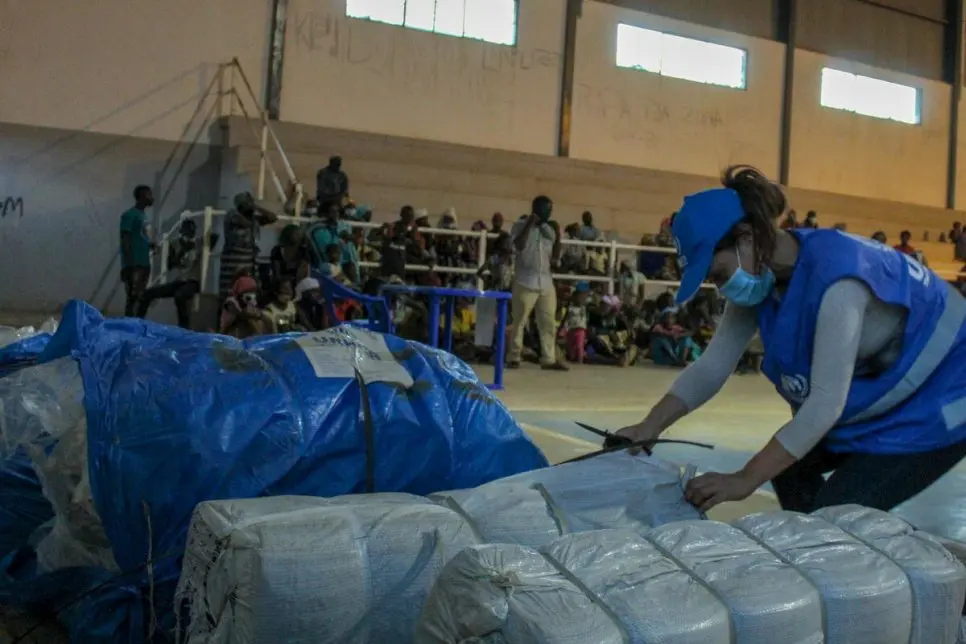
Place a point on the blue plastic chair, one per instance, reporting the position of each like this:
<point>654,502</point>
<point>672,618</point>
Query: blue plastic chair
<point>378,315</point>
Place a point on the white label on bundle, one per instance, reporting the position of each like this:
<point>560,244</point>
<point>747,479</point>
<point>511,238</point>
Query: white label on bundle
<point>337,353</point>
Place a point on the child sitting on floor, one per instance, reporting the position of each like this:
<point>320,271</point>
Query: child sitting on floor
<point>281,310</point>
<point>311,310</point>
<point>609,335</point>
<point>332,267</point>
<point>240,316</point>
<point>671,343</point>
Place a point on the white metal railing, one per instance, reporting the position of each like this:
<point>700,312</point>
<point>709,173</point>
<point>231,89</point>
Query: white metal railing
<point>208,216</point>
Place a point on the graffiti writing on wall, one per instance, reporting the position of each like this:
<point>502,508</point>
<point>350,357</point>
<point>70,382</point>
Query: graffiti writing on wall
<point>11,206</point>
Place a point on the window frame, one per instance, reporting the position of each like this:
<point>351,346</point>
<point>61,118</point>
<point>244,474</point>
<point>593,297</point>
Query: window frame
<point>744,57</point>
<point>403,25</point>
<point>853,110</point>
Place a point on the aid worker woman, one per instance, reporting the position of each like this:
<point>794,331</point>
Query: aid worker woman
<point>866,345</point>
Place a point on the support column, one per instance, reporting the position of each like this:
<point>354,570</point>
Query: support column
<point>788,34</point>
<point>276,59</point>
<point>954,62</point>
<point>567,77</point>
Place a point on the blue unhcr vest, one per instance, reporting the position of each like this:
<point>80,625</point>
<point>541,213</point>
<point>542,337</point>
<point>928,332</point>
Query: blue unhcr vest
<point>918,403</point>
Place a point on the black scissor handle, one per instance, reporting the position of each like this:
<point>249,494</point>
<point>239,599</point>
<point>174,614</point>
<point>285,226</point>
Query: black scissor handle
<point>645,445</point>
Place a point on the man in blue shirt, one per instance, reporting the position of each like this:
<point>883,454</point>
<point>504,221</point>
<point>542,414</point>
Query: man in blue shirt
<point>136,245</point>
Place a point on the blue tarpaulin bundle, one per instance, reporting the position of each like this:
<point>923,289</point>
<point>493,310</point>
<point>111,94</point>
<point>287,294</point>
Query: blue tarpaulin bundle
<point>175,418</point>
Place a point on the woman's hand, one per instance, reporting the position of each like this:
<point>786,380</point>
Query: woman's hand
<point>708,490</point>
<point>646,430</point>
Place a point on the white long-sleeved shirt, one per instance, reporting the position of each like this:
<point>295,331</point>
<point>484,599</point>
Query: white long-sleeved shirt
<point>855,333</point>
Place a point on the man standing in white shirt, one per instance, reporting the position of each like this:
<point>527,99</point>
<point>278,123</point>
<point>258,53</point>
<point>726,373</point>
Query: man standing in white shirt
<point>536,240</point>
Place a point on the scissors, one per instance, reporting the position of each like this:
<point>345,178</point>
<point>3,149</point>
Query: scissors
<point>615,443</point>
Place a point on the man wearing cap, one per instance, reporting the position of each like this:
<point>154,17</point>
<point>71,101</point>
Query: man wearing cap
<point>536,239</point>
<point>866,345</point>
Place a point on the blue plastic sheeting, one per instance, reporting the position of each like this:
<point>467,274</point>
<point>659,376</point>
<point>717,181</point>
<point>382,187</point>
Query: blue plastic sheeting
<point>175,418</point>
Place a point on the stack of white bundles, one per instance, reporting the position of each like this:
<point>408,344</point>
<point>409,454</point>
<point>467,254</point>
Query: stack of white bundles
<point>866,596</point>
<point>938,579</point>
<point>770,600</point>
<point>613,490</point>
<point>602,587</point>
<point>310,570</point>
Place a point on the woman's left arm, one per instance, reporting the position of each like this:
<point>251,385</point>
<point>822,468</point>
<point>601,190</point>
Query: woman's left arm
<point>835,348</point>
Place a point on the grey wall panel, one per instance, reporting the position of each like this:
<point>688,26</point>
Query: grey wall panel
<point>872,35</point>
<point>749,17</point>
<point>74,186</point>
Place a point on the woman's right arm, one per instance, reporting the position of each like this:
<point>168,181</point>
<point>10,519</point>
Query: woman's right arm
<point>702,379</point>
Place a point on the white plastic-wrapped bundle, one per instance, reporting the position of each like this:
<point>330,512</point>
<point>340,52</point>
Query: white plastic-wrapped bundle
<point>609,586</point>
<point>770,600</point>
<point>353,569</point>
<point>653,597</point>
<point>613,490</point>
<point>42,412</point>
<point>938,579</point>
<point>867,597</point>
<point>511,594</point>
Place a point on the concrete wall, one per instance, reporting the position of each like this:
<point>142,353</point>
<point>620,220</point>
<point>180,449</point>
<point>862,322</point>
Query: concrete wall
<point>387,172</point>
<point>852,154</point>
<point>374,77</point>
<point>95,98</point>
<point>120,67</point>
<point>96,94</point>
<point>74,187</point>
<point>646,120</point>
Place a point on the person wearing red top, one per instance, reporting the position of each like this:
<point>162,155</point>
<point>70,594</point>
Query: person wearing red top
<point>903,245</point>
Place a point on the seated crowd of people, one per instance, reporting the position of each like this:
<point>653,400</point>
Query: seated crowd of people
<point>285,293</point>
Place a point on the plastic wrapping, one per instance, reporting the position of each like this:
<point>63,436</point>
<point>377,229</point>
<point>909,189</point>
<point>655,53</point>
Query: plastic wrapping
<point>42,416</point>
<point>174,418</point>
<point>938,579</point>
<point>653,597</point>
<point>511,594</point>
<point>770,600</point>
<point>314,571</point>
<point>23,506</point>
<point>600,586</point>
<point>614,490</point>
<point>867,597</point>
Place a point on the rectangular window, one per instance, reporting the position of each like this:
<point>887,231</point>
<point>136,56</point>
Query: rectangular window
<point>678,57</point>
<point>488,20</point>
<point>870,96</point>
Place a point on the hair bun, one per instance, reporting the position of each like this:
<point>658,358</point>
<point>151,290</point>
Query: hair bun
<point>759,195</point>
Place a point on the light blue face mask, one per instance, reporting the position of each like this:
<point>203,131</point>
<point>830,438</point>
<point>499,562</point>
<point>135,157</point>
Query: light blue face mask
<point>745,289</point>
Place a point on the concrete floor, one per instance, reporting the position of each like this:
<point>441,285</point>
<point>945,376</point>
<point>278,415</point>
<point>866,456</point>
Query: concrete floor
<point>738,421</point>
